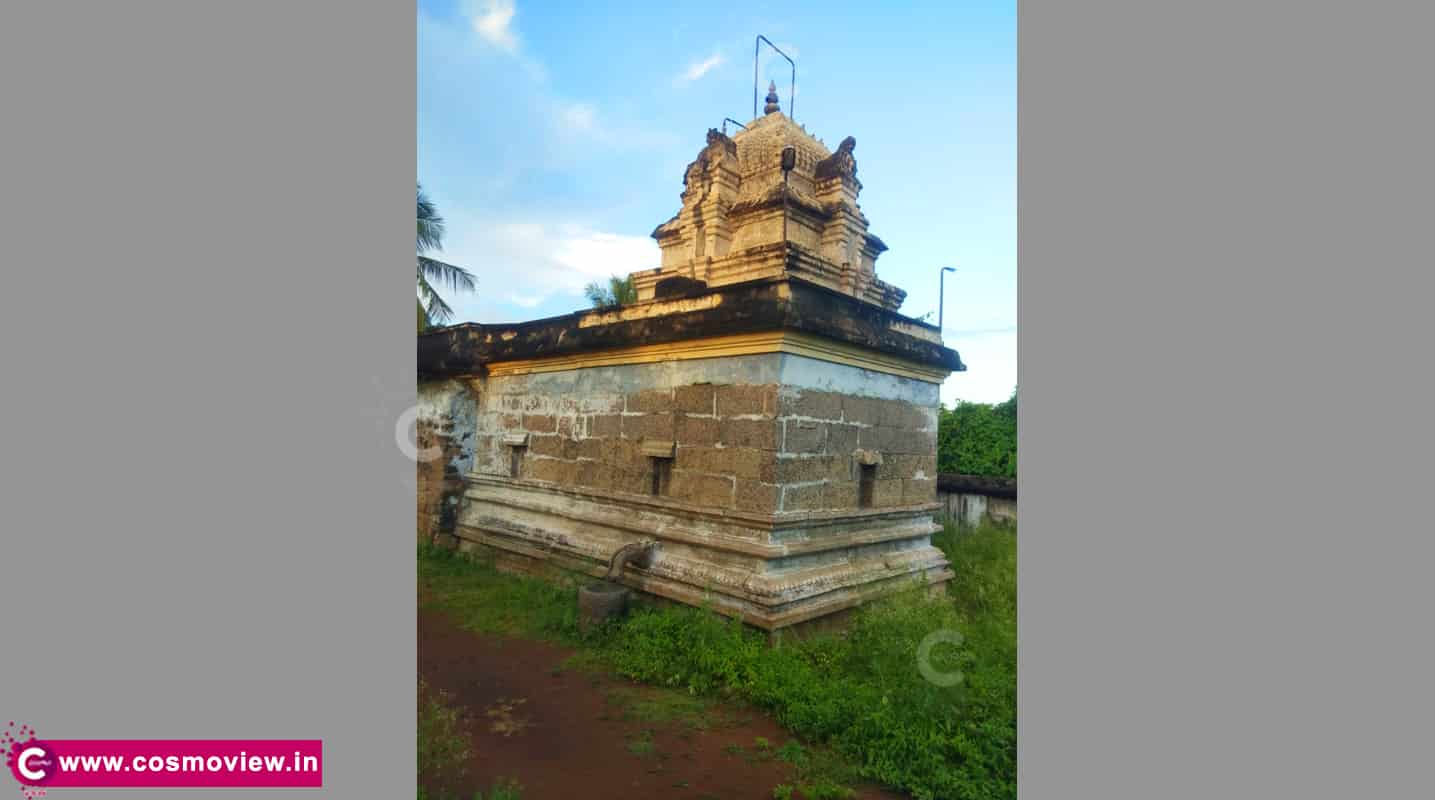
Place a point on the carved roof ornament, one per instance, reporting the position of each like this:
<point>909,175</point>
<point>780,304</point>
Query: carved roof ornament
<point>771,106</point>
<point>716,136</point>
<point>718,143</point>
<point>840,164</point>
<point>743,217</point>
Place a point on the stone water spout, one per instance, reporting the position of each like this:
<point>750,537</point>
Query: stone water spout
<point>608,599</point>
<point>637,553</point>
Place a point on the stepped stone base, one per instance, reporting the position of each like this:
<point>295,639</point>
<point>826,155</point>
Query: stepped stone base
<point>771,574</point>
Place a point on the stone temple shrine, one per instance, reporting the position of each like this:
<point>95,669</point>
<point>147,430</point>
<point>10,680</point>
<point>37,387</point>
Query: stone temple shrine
<point>762,412</point>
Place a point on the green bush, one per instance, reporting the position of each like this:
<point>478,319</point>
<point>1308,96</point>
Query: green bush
<point>978,439</point>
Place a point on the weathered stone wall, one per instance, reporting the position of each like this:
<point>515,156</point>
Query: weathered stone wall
<point>587,428</point>
<point>759,515</point>
<point>822,431</point>
<point>744,438</point>
<point>443,435</point>
<point>971,508</point>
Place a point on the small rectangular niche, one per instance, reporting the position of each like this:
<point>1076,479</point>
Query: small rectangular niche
<point>662,478</point>
<point>660,460</point>
<point>866,484</point>
<point>517,444</point>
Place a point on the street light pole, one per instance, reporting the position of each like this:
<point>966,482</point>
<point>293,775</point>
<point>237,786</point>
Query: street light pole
<point>942,294</point>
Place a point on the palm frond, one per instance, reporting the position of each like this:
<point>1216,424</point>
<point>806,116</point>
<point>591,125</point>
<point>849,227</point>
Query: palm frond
<point>623,290</point>
<point>618,292</point>
<point>455,277</point>
<point>433,309</point>
<point>438,311</point>
<point>430,224</point>
<point>598,296</point>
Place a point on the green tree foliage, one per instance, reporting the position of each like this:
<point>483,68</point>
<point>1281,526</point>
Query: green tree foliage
<point>618,292</point>
<point>978,439</point>
<point>432,308</point>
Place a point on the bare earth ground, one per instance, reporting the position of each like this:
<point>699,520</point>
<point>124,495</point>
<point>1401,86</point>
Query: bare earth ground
<point>579,735</point>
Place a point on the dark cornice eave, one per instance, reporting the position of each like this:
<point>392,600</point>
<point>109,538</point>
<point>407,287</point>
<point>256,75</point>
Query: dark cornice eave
<point>751,307</point>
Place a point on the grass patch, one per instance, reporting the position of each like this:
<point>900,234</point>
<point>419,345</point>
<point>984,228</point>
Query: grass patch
<point>443,745</point>
<point>444,750</point>
<point>824,790</point>
<point>481,599</point>
<point>503,790</point>
<point>662,705</point>
<point>583,661</point>
<point>858,692</point>
<point>819,772</point>
<point>642,744</point>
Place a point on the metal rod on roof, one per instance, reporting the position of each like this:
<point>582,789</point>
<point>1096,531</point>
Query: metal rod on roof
<point>792,87</point>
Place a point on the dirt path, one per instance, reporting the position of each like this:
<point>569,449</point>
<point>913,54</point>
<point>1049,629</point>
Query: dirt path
<point>574,735</point>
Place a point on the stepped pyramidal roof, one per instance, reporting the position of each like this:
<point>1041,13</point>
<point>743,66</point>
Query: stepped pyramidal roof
<point>744,217</point>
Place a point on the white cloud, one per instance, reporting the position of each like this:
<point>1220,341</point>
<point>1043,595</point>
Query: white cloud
<point>700,68</point>
<point>594,254</point>
<point>526,262</point>
<point>493,20</point>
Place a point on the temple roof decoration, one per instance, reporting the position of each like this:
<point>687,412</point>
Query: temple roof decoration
<point>743,219</point>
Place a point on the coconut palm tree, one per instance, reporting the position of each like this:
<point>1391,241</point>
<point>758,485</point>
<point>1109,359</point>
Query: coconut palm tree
<point>618,292</point>
<point>432,308</point>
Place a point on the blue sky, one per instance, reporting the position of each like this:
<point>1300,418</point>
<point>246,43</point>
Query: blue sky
<point>553,137</point>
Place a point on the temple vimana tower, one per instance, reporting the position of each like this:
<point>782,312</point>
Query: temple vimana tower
<point>762,412</point>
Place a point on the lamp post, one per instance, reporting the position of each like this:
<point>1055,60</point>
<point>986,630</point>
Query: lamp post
<point>942,294</point>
